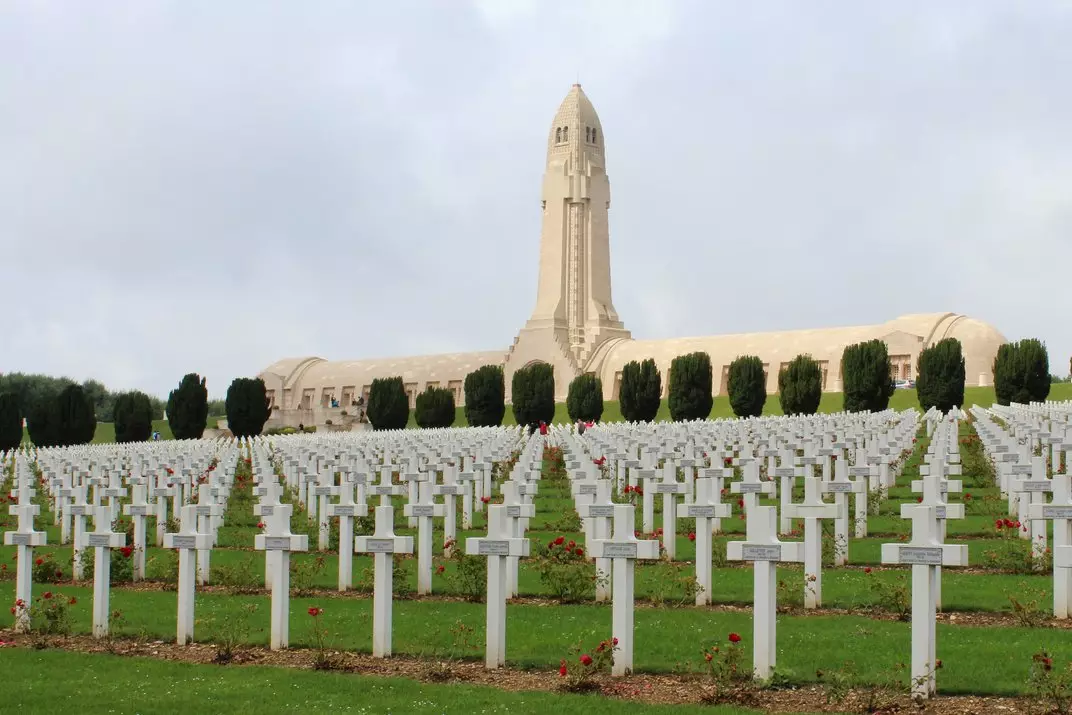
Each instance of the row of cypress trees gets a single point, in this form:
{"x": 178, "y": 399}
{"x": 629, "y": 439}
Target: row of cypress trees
{"x": 1021, "y": 374}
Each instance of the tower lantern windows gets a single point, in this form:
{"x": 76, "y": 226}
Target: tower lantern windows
{"x": 558, "y": 135}
{"x": 593, "y": 135}
{"x": 587, "y": 134}
{"x": 565, "y": 134}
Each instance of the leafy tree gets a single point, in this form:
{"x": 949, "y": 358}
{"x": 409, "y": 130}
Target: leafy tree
{"x": 187, "y": 408}
{"x": 800, "y": 386}
{"x": 247, "y": 406}
{"x": 585, "y": 398}
{"x": 133, "y": 415}
{"x": 1021, "y": 372}
{"x": 435, "y": 408}
{"x": 691, "y": 395}
{"x": 10, "y": 422}
{"x": 485, "y": 396}
{"x": 641, "y": 391}
{"x": 747, "y": 386}
{"x": 533, "y": 394}
{"x": 941, "y": 376}
{"x": 388, "y": 404}
{"x": 866, "y": 374}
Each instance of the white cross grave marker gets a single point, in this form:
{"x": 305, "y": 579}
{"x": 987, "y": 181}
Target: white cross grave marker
{"x": 703, "y": 510}
{"x": 765, "y": 551}
{"x": 925, "y": 553}
{"x": 623, "y": 549}
{"x": 277, "y": 540}
{"x": 102, "y": 539}
{"x": 383, "y": 544}
{"x": 812, "y": 510}
{"x": 496, "y": 546}
{"x": 25, "y": 538}
{"x": 188, "y": 541}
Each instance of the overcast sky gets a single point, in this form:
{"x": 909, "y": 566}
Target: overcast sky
{"x": 210, "y": 186}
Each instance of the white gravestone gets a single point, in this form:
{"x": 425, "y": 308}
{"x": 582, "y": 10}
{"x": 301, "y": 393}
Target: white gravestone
{"x": 669, "y": 487}
{"x": 704, "y": 509}
{"x": 496, "y": 546}
{"x": 138, "y": 510}
{"x": 207, "y": 511}
{"x": 102, "y": 540}
{"x": 1059, "y": 511}
{"x": 346, "y": 511}
{"x": 25, "y": 538}
{"x": 323, "y": 490}
{"x": 623, "y": 549}
{"x": 383, "y": 545}
{"x": 187, "y": 542}
{"x": 600, "y": 516}
{"x": 841, "y": 486}
{"x": 812, "y": 510}
{"x": 80, "y": 511}
{"x": 278, "y": 542}
{"x": 925, "y": 552}
{"x": 423, "y": 510}
{"x": 765, "y": 551}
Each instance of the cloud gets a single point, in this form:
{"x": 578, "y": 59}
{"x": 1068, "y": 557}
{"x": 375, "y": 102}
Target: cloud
{"x": 213, "y": 186}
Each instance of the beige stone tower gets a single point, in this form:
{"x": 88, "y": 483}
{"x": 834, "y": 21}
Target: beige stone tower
{"x": 574, "y": 313}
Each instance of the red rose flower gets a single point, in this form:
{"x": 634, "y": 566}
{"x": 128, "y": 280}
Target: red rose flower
{"x": 579, "y": 552}
{"x": 560, "y": 540}
{"x": 314, "y": 611}
{"x": 586, "y": 659}
{"x": 46, "y": 595}
{"x": 692, "y": 536}
{"x": 734, "y": 638}
{"x": 562, "y": 669}
{"x": 867, "y": 570}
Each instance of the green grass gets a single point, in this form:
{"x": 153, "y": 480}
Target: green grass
{"x": 107, "y": 684}
{"x": 671, "y": 633}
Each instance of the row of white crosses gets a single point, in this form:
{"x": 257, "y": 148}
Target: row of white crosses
{"x": 25, "y": 537}
{"x": 1023, "y": 478}
{"x": 636, "y": 464}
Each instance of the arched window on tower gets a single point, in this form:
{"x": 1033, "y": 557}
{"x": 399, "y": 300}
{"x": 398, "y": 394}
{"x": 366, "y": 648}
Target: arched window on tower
{"x": 558, "y": 135}
{"x": 565, "y": 134}
{"x": 593, "y": 135}
{"x": 587, "y": 134}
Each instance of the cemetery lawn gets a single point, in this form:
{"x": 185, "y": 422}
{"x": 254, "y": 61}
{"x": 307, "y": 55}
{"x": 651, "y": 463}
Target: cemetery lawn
{"x": 101, "y": 683}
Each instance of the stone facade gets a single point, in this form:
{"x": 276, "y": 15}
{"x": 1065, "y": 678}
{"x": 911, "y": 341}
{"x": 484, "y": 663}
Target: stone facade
{"x": 574, "y": 326}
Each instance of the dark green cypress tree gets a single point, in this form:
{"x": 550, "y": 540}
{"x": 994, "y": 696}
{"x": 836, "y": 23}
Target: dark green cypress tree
{"x": 940, "y": 383}
{"x": 800, "y": 386}
{"x": 866, "y": 371}
{"x": 77, "y": 420}
{"x": 485, "y": 396}
{"x": 187, "y": 407}
{"x": 10, "y": 422}
{"x": 435, "y": 408}
{"x": 388, "y": 404}
{"x": 43, "y": 423}
{"x": 690, "y": 391}
{"x": 247, "y": 406}
{"x": 747, "y": 386}
{"x": 133, "y": 415}
{"x": 585, "y": 398}
{"x": 1021, "y": 372}
{"x": 533, "y": 394}
{"x": 640, "y": 393}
